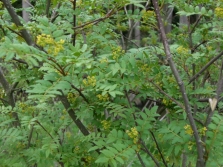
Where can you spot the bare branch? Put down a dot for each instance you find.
(200, 159)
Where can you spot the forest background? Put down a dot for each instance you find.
(111, 83)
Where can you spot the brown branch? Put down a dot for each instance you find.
(157, 146)
(73, 115)
(200, 159)
(80, 93)
(109, 14)
(17, 22)
(205, 67)
(164, 93)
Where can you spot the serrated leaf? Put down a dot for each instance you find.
(177, 149)
(93, 148)
(102, 160)
(58, 33)
(120, 160)
(114, 163)
(107, 153)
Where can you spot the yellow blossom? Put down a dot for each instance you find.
(188, 130)
(117, 52)
(182, 50)
(53, 47)
(134, 134)
(90, 81)
(106, 124)
(147, 14)
(202, 131)
(103, 97)
(219, 12)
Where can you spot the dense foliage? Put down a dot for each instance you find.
(80, 88)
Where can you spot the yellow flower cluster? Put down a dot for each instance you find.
(53, 47)
(190, 145)
(182, 50)
(103, 97)
(134, 134)
(90, 81)
(71, 97)
(202, 131)
(25, 107)
(147, 14)
(88, 159)
(145, 68)
(117, 52)
(166, 102)
(106, 124)
(91, 128)
(188, 130)
(219, 12)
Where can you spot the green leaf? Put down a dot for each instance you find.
(107, 153)
(203, 10)
(102, 160)
(58, 33)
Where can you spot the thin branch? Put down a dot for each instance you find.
(164, 93)
(205, 67)
(200, 159)
(80, 93)
(16, 20)
(195, 24)
(109, 14)
(196, 46)
(150, 154)
(45, 130)
(157, 146)
(140, 160)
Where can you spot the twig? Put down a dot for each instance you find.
(161, 91)
(140, 160)
(80, 93)
(205, 67)
(150, 154)
(109, 14)
(157, 146)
